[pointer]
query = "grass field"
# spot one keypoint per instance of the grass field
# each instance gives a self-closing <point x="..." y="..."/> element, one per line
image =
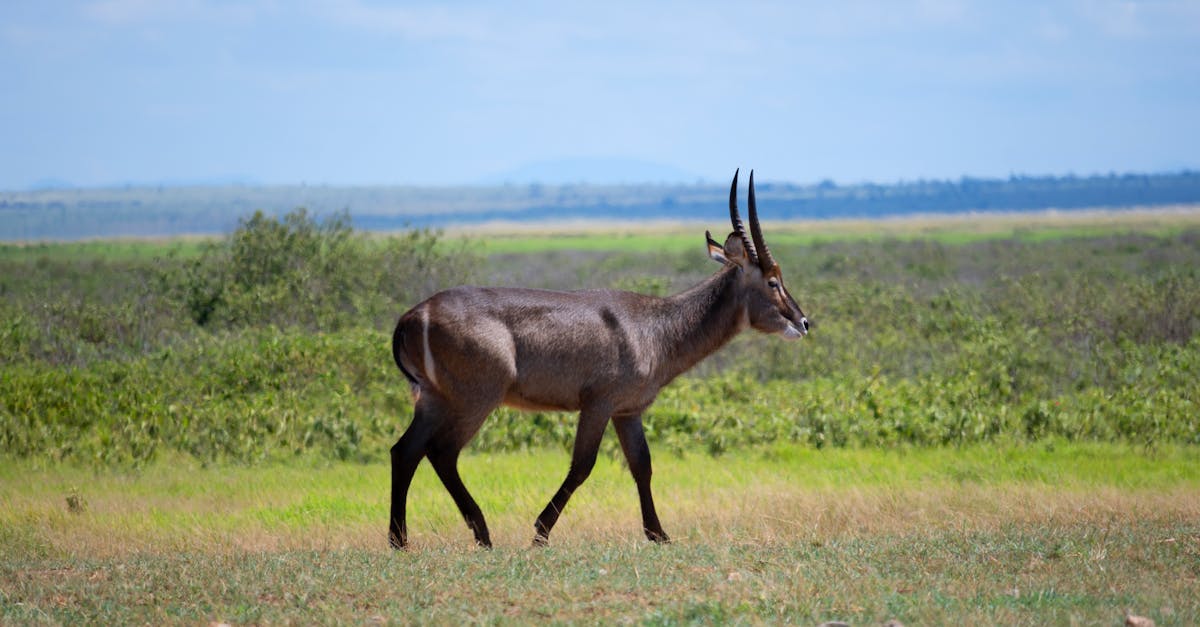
<point x="676" y="237"/>
<point x="992" y="422"/>
<point x="1047" y="533"/>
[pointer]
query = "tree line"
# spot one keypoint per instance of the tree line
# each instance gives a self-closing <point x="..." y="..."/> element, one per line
<point x="64" y="214"/>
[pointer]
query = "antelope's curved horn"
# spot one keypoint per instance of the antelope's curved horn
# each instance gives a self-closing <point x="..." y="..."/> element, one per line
<point x="766" y="262"/>
<point x="736" y="219"/>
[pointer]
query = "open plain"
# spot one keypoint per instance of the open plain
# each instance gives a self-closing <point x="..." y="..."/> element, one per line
<point x="993" y="421"/>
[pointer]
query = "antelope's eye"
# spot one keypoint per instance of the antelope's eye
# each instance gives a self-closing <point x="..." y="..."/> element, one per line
<point x="773" y="283"/>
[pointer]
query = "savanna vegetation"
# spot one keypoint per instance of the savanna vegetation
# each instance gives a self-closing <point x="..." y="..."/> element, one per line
<point x="273" y="342"/>
<point x="985" y="425"/>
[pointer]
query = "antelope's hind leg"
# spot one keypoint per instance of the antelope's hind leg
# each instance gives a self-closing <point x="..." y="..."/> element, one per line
<point x="439" y="431"/>
<point x="406" y="456"/>
<point x="443" y="455"/>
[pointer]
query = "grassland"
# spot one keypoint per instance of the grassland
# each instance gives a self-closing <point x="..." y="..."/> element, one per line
<point x="1049" y="533"/>
<point x="956" y="229"/>
<point x="992" y="422"/>
<point x="680" y="236"/>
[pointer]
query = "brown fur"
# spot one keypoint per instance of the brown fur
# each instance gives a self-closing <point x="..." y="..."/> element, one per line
<point x="603" y="353"/>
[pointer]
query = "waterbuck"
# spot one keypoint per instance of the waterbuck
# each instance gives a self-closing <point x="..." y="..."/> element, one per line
<point x="603" y="353"/>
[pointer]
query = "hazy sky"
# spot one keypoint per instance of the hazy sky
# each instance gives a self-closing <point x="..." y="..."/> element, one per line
<point x="117" y="91"/>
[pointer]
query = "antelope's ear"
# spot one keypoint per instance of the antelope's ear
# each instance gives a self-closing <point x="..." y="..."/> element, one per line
<point x="715" y="251"/>
<point x="734" y="250"/>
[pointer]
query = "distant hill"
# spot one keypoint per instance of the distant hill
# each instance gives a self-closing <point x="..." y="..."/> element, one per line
<point x="164" y="210"/>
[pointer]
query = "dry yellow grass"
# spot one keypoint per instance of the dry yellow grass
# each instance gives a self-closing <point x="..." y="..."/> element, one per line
<point x="984" y="222"/>
<point x="1021" y="537"/>
<point x="728" y="500"/>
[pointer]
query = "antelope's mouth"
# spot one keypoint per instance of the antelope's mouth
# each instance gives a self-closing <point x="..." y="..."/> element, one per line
<point x="792" y="332"/>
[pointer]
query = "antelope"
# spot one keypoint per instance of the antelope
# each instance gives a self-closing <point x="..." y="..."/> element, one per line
<point x="603" y="353"/>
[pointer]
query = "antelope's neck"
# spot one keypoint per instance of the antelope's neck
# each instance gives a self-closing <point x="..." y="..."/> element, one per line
<point x="701" y="320"/>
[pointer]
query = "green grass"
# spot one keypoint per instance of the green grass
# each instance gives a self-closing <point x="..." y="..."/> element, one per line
<point x="1024" y="575"/>
<point x="1044" y="533"/>
<point x="111" y="250"/>
<point x="942" y="229"/>
<point x="976" y="432"/>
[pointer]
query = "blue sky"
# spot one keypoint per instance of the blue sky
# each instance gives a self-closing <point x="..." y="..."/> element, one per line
<point x="146" y="91"/>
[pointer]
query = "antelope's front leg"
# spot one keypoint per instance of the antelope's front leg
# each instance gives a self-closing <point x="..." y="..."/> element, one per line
<point x="592" y="421"/>
<point x="637" y="455"/>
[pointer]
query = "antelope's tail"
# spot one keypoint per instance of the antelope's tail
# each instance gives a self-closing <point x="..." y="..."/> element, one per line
<point x="398" y="353"/>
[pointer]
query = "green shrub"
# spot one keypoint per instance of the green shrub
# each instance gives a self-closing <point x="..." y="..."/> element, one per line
<point x="295" y="271"/>
<point x="274" y="342"/>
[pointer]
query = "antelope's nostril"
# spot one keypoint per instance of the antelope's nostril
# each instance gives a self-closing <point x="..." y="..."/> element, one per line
<point x="804" y="323"/>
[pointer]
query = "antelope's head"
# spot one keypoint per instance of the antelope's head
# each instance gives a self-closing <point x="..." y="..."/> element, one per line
<point x="770" y="307"/>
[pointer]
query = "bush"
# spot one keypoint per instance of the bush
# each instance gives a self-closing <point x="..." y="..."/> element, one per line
<point x="295" y="271"/>
<point x="274" y="342"/>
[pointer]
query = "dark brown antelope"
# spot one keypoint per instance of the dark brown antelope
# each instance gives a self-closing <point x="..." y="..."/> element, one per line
<point x="603" y="353"/>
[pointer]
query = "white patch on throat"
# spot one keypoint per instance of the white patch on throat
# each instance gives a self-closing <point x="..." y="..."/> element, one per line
<point x="429" y="373"/>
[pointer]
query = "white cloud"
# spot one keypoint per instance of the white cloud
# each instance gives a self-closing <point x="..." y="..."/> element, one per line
<point x="27" y="36"/>
<point x="141" y="12"/>
<point x="412" y="21"/>
<point x="1126" y="19"/>
<point x="674" y="81"/>
<point x="1122" y="20"/>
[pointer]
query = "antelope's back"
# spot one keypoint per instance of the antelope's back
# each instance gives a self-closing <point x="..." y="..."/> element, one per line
<point x="537" y="348"/>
